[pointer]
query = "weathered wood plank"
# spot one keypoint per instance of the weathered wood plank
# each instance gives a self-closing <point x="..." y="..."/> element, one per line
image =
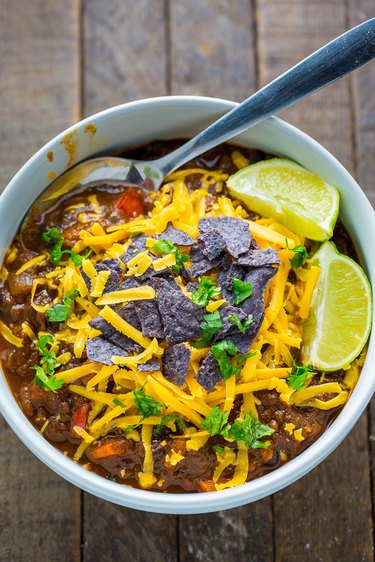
<point x="237" y="535"/>
<point x="364" y="119"/>
<point x="327" y="514"/>
<point x="117" y="533"/>
<point x="363" y="81"/>
<point x="212" y="54"/>
<point x="288" y="31"/>
<point x="40" y="513"/>
<point x="212" y="48"/>
<point x="124" y="59"/>
<point x="123" y="52"/>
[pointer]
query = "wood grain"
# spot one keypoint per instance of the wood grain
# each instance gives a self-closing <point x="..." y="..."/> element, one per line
<point x="212" y="50"/>
<point x="123" y="52"/>
<point x="116" y="533"/>
<point x="238" y="535"/>
<point x="327" y="514"/>
<point x="124" y="59"/>
<point x="40" y="512"/>
<point x="289" y="30"/>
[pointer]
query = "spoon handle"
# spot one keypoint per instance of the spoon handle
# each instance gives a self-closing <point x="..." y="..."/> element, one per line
<point x="339" y="57"/>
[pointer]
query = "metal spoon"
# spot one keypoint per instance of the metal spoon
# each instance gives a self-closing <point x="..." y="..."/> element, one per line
<point x="339" y="57"/>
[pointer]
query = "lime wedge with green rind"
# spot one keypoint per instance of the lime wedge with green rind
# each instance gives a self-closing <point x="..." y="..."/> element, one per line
<point x="295" y="197"/>
<point x="339" y="320"/>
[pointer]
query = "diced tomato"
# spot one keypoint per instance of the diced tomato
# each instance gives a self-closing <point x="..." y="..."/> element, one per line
<point x="80" y="416"/>
<point x="131" y="203"/>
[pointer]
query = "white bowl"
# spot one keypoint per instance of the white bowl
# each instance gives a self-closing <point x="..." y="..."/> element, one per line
<point x="175" y="117"/>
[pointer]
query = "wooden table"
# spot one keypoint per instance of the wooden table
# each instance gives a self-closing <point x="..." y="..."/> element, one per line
<point x="61" y="60"/>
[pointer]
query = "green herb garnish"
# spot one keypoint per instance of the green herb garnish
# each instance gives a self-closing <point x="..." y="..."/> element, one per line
<point x="211" y="325"/>
<point x="147" y="405"/>
<point x="118" y="402"/>
<point x="215" y="421"/>
<point x="54" y="237"/>
<point x="298" y="376"/>
<point x="241" y="290"/>
<point x="44" y="373"/>
<point x="250" y="431"/>
<point x="300" y="255"/>
<point x="164" y="247"/>
<point x="206" y="290"/>
<point x="218" y="449"/>
<point x="233" y="319"/>
<point x="222" y="352"/>
<point x="165" y="420"/>
<point x="60" y="312"/>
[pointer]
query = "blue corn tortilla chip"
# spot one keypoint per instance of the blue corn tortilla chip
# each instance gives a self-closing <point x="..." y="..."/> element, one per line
<point x="177" y="236"/>
<point x="209" y="373"/>
<point x="228" y="328"/>
<point x="128" y="312"/>
<point x="258" y="258"/>
<point x="149" y="366"/>
<point x="136" y="246"/>
<point x="113" y="281"/>
<point x="99" y="349"/>
<point x="212" y="244"/>
<point x="180" y="316"/>
<point x="112" y="335"/>
<point x="227" y="273"/>
<point x="149" y="318"/>
<point x="176" y="361"/>
<point x="200" y="263"/>
<point x="234" y="231"/>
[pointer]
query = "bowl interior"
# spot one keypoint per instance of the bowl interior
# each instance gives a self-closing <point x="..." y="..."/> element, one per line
<point x="175" y="117"/>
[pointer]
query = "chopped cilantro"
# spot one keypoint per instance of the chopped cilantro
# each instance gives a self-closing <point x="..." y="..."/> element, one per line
<point x="136" y="233"/>
<point x="215" y="421"/>
<point x="48" y="357"/>
<point x="300" y="255"/>
<point x="233" y="319"/>
<point x="241" y="290"/>
<point x="164" y="247"/>
<point x="118" y="402"/>
<point x="129" y="428"/>
<point x="44" y="381"/>
<point x="250" y="431"/>
<point x="165" y="420"/>
<point x="298" y="376"/>
<point x="218" y="449"/>
<point x="222" y="352"/>
<point x="60" y="312"/>
<point x="206" y="290"/>
<point x="147" y="405"/>
<point x="211" y="325"/>
<point x="53" y="236"/>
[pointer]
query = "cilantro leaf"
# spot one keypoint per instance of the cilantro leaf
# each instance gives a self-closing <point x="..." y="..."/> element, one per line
<point x="53" y="236"/>
<point x="298" y="376"/>
<point x="60" y="312"/>
<point x="206" y="290"/>
<point x="300" y="255"/>
<point x="222" y="352"/>
<point x="233" y="319"/>
<point x="218" y="449"/>
<point x="129" y="428"/>
<point x="215" y="421"/>
<point x="164" y="247"/>
<point x="165" y="420"/>
<point x="44" y="381"/>
<point x="147" y="405"/>
<point x="211" y="325"/>
<point x="118" y="402"/>
<point x="241" y="290"/>
<point x="250" y="431"/>
<point x="48" y="357"/>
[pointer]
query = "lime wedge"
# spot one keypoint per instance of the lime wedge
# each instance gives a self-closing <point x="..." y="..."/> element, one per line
<point x="339" y="321"/>
<point x="283" y="190"/>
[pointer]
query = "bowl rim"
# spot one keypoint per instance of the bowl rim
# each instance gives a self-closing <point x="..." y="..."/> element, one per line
<point x="199" y="502"/>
